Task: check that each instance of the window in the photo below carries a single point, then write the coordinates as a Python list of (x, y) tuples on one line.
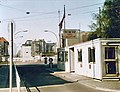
[(61, 56), (109, 52), (91, 55), (66, 56), (80, 55), (58, 56)]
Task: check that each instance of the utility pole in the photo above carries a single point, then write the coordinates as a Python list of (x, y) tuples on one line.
[(11, 54)]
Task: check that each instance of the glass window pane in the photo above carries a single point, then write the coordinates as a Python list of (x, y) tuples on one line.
[(109, 52), (80, 55), (89, 55), (66, 56)]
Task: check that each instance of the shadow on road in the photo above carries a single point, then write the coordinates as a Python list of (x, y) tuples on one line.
[(4, 78), (38, 75)]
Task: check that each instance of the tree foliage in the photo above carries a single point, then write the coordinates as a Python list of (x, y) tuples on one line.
[(108, 21)]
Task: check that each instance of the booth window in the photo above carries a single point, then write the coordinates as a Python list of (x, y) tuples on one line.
[(66, 56), (109, 52), (58, 56), (91, 55), (80, 55), (61, 56)]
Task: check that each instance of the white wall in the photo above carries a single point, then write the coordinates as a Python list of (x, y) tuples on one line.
[(67, 64), (85, 68), (26, 53)]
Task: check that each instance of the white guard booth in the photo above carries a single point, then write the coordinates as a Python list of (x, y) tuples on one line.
[(98, 58)]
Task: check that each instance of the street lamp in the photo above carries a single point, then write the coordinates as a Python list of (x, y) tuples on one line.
[(15, 49), (20, 31), (18, 37), (15, 35), (52, 33)]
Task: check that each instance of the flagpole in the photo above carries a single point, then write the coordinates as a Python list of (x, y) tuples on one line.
[(64, 16), (63, 40), (59, 30), (60, 27)]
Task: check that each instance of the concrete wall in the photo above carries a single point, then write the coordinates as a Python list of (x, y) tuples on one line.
[(84, 67), (26, 53)]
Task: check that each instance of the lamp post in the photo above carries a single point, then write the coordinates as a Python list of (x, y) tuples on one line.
[(19, 37), (20, 32), (55, 36), (16, 37), (12, 23), (52, 33), (15, 44)]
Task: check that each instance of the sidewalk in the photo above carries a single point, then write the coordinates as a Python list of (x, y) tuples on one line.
[(105, 85)]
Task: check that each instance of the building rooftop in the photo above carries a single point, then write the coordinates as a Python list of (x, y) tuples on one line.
[(2, 39)]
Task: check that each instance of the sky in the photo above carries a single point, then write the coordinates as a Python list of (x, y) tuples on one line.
[(44, 16)]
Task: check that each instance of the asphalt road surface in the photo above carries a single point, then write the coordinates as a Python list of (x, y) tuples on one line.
[(38, 78)]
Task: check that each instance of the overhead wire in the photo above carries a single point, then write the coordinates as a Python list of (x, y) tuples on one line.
[(12, 8), (31, 16), (86, 6), (47, 13)]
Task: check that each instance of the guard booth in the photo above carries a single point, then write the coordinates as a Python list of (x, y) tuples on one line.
[(98, 58), (61, 58)]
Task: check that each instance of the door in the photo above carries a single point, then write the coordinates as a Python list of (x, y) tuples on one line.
[(111, 67), (72, 63), (110, 59)]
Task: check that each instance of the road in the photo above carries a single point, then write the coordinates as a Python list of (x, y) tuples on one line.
[(38, 78), (4, 76)]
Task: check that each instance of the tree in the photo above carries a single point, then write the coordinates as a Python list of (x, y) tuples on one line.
[(108, 21)]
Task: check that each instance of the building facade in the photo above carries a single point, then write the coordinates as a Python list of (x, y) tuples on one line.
[(3, 49), (25, 52), (37, 48), (69, 37), (73, 36)]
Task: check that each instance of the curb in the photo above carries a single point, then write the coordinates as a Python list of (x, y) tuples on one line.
[(85, 84), (99, 88)]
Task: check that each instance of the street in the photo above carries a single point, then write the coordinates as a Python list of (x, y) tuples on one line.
[(38, 78)]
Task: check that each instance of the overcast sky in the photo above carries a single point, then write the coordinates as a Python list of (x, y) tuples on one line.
[(44, 16)]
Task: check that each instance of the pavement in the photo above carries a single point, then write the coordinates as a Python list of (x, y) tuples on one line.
[(105, 85)]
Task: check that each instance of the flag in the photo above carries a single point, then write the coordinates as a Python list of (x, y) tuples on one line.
[(61, 22)]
